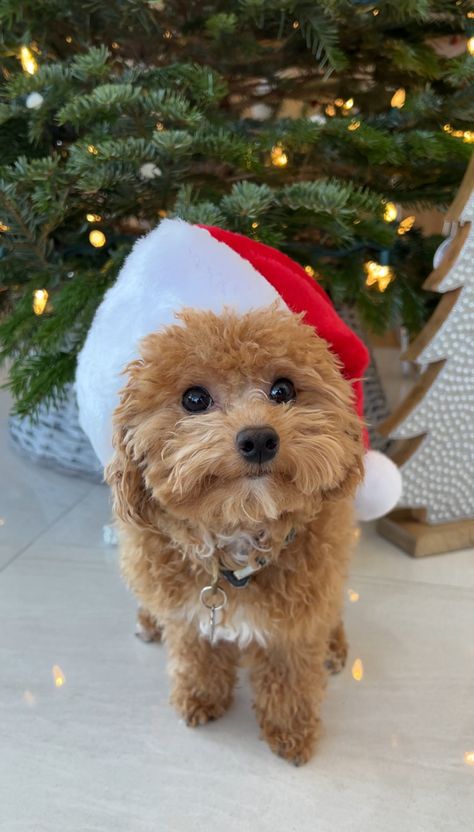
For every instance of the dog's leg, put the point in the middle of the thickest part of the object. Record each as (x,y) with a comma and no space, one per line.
(203,675)
(337,649)
(289,682)
(147,627)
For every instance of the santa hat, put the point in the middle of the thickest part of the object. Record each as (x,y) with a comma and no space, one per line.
(181,265)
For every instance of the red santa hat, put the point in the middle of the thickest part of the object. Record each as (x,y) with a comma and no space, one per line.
(181,265)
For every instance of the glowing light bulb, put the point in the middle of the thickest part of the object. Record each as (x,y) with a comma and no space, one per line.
(390,213)
(469,758)
(29,63)
(378,275)
(4,227)
(40,299)
(255,224)
(68,39)
(398,98)
(330,110)
(162,213)
(406,225)
(339,102)
(97,238)
(115,45)
(353,596)
(93,217)
(58,676)
(167,35)
(468,136)
(348,104)
(447,128)
(470,45)
(309,270)
(295,24)
(159,126)
(358,670)
(354,125)
(92,149)
(375,12)
(278,156)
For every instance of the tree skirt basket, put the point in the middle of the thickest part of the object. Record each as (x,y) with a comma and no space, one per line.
(56,440)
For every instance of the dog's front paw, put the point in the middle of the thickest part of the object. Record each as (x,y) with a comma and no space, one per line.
(337,651)
(296,746)
(197,709)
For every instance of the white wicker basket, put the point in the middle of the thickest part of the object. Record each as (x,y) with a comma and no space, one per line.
(56,440)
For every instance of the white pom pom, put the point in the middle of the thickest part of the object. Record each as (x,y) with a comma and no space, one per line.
(150,171)
(34,100)
(381,489)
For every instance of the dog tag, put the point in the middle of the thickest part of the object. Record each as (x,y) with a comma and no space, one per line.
(213,598)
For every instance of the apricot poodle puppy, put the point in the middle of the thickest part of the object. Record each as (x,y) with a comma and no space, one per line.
(237,454)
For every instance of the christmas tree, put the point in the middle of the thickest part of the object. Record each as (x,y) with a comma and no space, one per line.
(434,423)
(309,126)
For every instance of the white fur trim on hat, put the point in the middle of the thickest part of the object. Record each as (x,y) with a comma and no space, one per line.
(176,265)
(381,488)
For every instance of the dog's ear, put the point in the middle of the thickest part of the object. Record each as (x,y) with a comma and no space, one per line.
(132,500)
(347,487)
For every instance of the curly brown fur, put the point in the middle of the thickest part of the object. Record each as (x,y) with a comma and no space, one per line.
(186,499)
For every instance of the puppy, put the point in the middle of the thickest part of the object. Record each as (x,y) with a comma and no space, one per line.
(237,454)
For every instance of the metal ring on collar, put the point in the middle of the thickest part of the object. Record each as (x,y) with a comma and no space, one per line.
(214,591)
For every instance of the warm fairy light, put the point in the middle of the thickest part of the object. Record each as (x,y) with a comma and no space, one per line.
(162,213)
(68,39)
(375,12)
(159,126)
(92,149)
(447,128)
(330,110)
(255,224)
(348,104)
(339,102)
(398,98)
(470,46)
(309,270)
(93,217)
(458,134)
(28,61)
(470,15)
(4,227)
(358,670)
(278,156)
(354,125)
(378,275)
(115,45)
(58,676)
(97,238)
(167,35)
(295,24)
(390,213)
(40,299)
(353,596)
(406,225)
(468,136)
(469,758)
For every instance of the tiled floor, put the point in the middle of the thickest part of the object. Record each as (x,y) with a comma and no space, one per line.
(104,752)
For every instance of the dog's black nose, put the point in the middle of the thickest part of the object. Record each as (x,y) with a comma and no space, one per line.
(258,445)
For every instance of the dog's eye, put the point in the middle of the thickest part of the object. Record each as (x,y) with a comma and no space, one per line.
(196,400)
(283,390)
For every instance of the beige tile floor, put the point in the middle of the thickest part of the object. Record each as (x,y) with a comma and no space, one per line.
(104,752)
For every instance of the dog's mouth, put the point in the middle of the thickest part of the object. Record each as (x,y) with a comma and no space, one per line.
(259,472)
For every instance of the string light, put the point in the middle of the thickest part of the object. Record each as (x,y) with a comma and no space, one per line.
(354,125)
(278,156)
(390,213)
(40,299)
(115,45)
(159,126)
(470,15)
(58,676)
(309,270)
(255,224)
(468,136)
(28,61)
(358,670)
(470,46)
(398,98)
(92,149)
(68,39)
(93,217)
(4,227)
(378,275)
(406,225)
(447,128)
(162,213)
(353,596)
(295,24)
(167,35)
(97,238)
(375,12)
(339,102)
(469,758)
(348,105)
(330,110)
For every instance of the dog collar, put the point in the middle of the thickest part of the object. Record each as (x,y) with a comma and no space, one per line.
(242,577)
